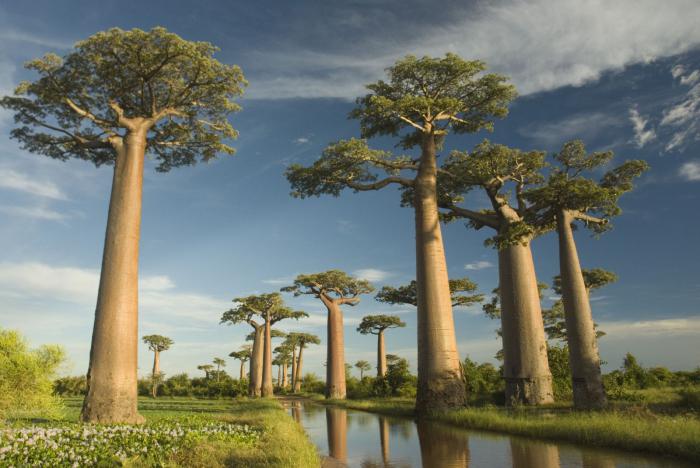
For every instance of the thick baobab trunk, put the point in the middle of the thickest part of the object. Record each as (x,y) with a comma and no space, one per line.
(584,360)
(297,376)
(111,378)
(256,363)
(294,366)
(337,426)
(156,371)
(384,439)
(525,364)
(439,381)
(285,379)
(381,355)
(267,362)
(335,365)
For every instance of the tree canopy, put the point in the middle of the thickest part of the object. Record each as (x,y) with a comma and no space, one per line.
(261,305)
(158,343)
(407,294)
(375,324)
(116,81)
(333,285)
(243,354)
(302,339)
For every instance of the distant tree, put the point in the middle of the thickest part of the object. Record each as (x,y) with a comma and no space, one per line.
(207,368)
(219,363)
(157,344)
(377,325)
(115,97)
(423,100)
(283,356)
(242,355)
(301,340)
(334,288)
(570,196)
(362,366)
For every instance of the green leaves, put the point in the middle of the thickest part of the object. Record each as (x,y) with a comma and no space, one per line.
(407,294)
(266,306)
(331,283)
(158,343)
(374,324)
(116,80)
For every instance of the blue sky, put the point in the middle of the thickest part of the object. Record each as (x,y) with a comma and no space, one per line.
(622,76)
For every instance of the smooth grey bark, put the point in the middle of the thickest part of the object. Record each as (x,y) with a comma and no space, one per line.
(525,363)
(335,361)
(440,385)
(112,373)
(584,360)
(381,355)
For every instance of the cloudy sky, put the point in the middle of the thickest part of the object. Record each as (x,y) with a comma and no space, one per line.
(621,75)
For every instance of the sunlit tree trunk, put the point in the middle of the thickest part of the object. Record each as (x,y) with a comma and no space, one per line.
(285,381)
(297,378)
(381,355)
(525,364)
(156,371)
(267,361)
(256,363)
(112,374)
(335,365)
(439,382)
(294,366)
(584,360)
(337,426)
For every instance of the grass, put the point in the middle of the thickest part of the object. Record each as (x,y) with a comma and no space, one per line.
(282,442)
(661,428)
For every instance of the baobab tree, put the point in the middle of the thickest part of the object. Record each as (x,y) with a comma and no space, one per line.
(206,368)
(271,309)
(494,169)
(243,355)
(302,340)
(423,100)
(334,288)
(377,325)
(219,363)
(116,96)
(157,344)
(362,366)
(283,357)
(569,197)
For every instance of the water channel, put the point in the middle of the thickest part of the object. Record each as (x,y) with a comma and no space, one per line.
(347,438)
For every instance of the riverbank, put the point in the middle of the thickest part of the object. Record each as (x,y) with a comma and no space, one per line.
(632,428)
(218,433)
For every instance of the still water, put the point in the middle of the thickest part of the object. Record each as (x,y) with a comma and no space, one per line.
(347,438)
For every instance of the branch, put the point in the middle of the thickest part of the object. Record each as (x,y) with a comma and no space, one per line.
(588,218)
(88,115)
(380,184)
(412,123)
(475,216)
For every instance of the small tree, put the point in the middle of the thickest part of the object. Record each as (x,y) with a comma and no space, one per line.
(301,340)
(377,325)
(334,288)
(423,100)
(116,96)
(157,344)
(206,368)
(242,355)
(362,366)
(570,197)
(283,357)
(219,363)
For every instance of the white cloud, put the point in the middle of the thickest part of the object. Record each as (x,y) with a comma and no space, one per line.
(691,79)
(285,281)
(541,44)
(301,140)
(684,116)
(642,135)
(14,180)
(372,274)
(33,212)
(478,265)
(665,327)
(584,126)
(690,171)
(12,35)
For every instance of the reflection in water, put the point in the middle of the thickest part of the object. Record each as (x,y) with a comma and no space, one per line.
(384,439)
(529,454)
(597,460)
(296,411)
(442,446)
(337,427)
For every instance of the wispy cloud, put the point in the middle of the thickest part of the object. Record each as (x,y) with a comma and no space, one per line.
(301,140)
(690,171)
(13,180)
(683,118)
(284,281)
(585,126)
(372,274)
(665,327)
(478,265)
(33,212)
(642,134)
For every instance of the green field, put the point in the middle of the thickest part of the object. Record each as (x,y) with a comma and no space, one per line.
(178,432)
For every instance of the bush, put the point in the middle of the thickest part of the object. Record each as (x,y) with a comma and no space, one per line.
(70,386)
(690,398)
(26,377)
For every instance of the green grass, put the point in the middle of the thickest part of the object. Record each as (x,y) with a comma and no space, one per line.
(282,442)
(627,427)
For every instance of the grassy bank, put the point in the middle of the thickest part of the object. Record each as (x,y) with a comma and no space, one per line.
(273,438)
(626,427)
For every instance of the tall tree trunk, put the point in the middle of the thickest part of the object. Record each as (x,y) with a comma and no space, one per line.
(584,360)
(297,378)
(279,375)
(335,365)
(530,453)
(256,363)
(337,427)
(267,361)
(381,355)
(111,378)
(240,373)
(294,365)
(525,364)
(156,371)
(285,381)
(439,381)
(384,439)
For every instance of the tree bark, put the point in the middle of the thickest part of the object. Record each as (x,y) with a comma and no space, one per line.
(256,363)
(267,362)
(335,365)
(584,360)
(240,373)
(279,375)
(297,378)
(285,381)
(381,355)
(439,381)
(156,371)
(112,373)
(525,364)
(337,427)
(294,366)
